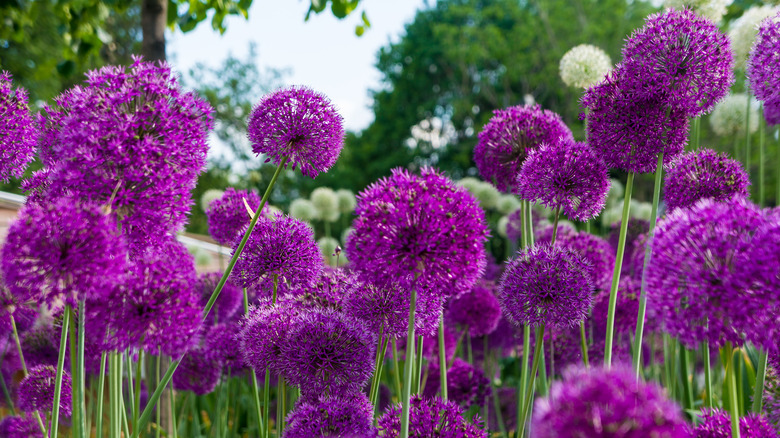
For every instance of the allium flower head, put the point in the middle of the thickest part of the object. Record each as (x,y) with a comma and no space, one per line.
(772,113)
(507,204)
(744,29)
(17,130)
(584,65)
(347,200)
(763,66)
(326,202)
(704,174)
(681,58)
(729,116)
(262,334)
(506,139)
(596,251)
(332,417)
(383,307)
(280,246)
(607,403)
(36,390)
(717,424)
(424,226)
(547,286)
(197,372)
(706,279)
(221,344)
(327,352)
(429,417)
(712,10)
(63,249)
(478,309)
(467,384)
(229,299)
(40,345)
(298,123)
(228,217)
(303,209)
(567,175)
(10,305)
(133,137)
(20,427)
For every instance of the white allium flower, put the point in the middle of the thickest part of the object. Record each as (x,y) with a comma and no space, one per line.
(326,202)
(728,116)
(640,210)
(584,65)
(487,195)
(507,204)
(744,30)
(303,209)
(345,234)
(710,9)
(501,226)
(471,184)
(208,196)
(616,192)
(347,200)
(327,248)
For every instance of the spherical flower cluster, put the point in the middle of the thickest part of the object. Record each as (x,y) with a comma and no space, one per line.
(478,309)
(717,424)
(763,68)
(608,403)
(713,10)
(228,216)
(63,249)
(262,334)
(17,130)
(506,139)
(421,228)
(596,251)
(281,247)
(19,427)
(744,29)
(680,57)
(584,65)
(729,115)
(228,302)
(300,125)
(347,200)
(383,307)
(507,204)
(467,384)
(221,344)
(546,286)
(707,280)
(40,345)
(10,305)
(197,373)
(431,417)
(131,138)
(566,176)
(303,209)
(704,174)
(326,202)
(327,352)
(331,417)
(36,390)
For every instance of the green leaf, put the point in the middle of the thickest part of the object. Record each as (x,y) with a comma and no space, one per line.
(364,17)
(318,5)
(360,30)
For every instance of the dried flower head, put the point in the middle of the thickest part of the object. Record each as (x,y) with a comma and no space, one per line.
(17,130)
(704,174)
(584,65)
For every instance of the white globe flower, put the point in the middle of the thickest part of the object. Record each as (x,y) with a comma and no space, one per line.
(327,204)
(615,193)
(303,209)
(347,200)
(728,116)
(507,204)
(710,9)
(487,195)
(584,65)
(208,196)
(744,30)
(501,226)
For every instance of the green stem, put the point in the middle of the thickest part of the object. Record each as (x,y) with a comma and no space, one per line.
(377,357)
(267,403)
(74,374)
(489,373)
(408,365)
(497,409)
(584,344)
(616,273)
(523,375)
(255,388)
(137,391)
(747,132)
(80,384)
(396,370)
(131,387)
(157,412)
(418,366)
(555,226)
(732,391)
(99,399)
(442,360)
(55,414)
(281,398)
(685,374)
(707,373)
(529,392)
(6,394)
(758,390)
(696,133)
(469,353)
(147,413)
(640,320)
(379,370)
(174,422)
(18,344)
(761,157)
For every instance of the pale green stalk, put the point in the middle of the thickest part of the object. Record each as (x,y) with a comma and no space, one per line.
(442,360)
(758,390)
(732,391)
(379,356)
(396,370)
(172,400)
(406,389)
(761,157)
(707,373)
(55,414)
(529,392)
(418,366)
(99,400)
(584,344)
(255,388)
(687,384)
(80,385)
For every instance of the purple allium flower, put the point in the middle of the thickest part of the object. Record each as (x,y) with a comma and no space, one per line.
(507,400)
(63,249)
(626,311)
(36,390)
(20,427)
(328,290)
(10,305)
(298,123)
(40,345)
(477,309)
(422,227)
(332,417)
(772,112)
(607,403)
(383,307)
(566,175)
(763,66)
(227,216)
(280,246)
(131,137)
(158,307)
(197,372)
(507,138)
(546,286)
(505,337)
(629,133)
(221,344)
(327,352)
(429,417)
(514,228)
(17,130)
(680,57)
(717,424)
(707,278)
(467,384)
(228,302)
(262,334)
(596,251)
(704,174)
(430,350)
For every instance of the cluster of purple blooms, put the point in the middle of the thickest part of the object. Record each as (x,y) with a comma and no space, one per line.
(763,68)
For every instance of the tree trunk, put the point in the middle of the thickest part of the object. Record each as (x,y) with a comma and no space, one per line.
(154,16)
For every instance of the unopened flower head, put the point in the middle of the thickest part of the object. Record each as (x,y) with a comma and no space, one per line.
(584,65)
(506,139)
(299,124)
(17,130)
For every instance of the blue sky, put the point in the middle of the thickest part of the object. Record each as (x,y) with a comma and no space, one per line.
(323,53)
